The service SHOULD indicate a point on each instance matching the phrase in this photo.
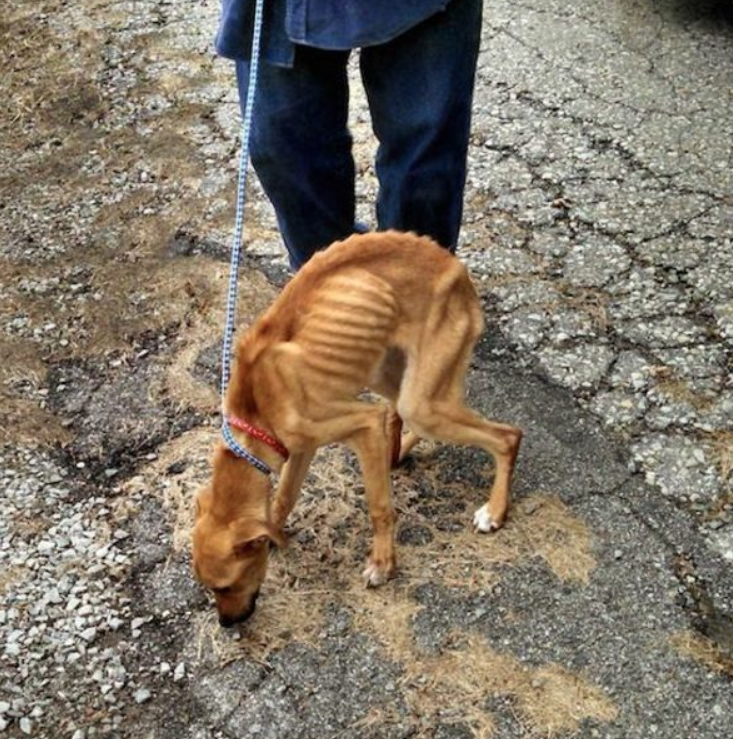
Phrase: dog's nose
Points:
(227, 621)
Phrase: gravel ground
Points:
(598, 228)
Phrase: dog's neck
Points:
(240, 489)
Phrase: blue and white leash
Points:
(236, 255)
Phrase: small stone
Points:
(26, 725)
(142, 695)
(179, 673)
(88, 635)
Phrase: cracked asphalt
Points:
(599, 230)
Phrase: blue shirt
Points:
(324, 24)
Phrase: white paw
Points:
(483, 522)
(375, 576)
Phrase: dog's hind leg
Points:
(401, 444)
(387, 382)
(432, 403)
(456, 424)
(291, 481)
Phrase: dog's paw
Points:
(483, 521)
(375, 575)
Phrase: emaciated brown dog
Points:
(389, 311)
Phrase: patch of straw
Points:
(176, 491)
(703, 650)
(9, 577)
(540, 526)
(549, 700)
(722, 443)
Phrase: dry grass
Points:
(203, 330)
(285, 613)
(592, 302)
(454, 687)
(703, 650)
(9, 576)
(722, 445)
(387, 614)
(549, 700)
(539, 527)
(678, 389)
(176, 491)
(23, 420)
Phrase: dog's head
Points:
(230, 558)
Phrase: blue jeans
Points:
(419, 87)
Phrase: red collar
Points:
(259, 434)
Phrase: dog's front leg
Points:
(291, 481)
(372, 445)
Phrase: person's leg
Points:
(301, 148)
(420, 88)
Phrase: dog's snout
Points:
(226, 620)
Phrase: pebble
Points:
(142, 695)
(88, 635)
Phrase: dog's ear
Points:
(253, 535)
(202, 500)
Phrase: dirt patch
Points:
(90, 398)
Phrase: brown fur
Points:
(389, 311)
